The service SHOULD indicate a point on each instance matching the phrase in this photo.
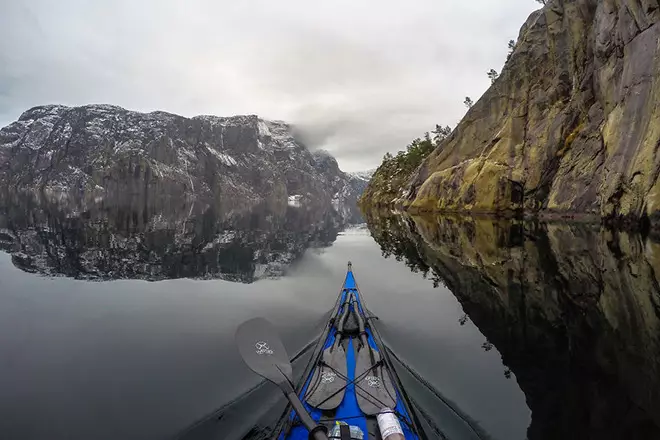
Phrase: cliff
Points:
(572, 125)
(102, 152)
(574, 311)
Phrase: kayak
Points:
(351, 379)
(349, 384)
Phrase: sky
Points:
(357, 78)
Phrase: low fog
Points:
(358, 79)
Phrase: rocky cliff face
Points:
(573, 309)
(570, 126)
(101, 152)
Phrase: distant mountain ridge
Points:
(105, 152)
(360, 180)
(364, 175)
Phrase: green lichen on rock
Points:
(572, 125)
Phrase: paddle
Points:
(328, 384)
(263, 351)
(375, 390)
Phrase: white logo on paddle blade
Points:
(328, 377)
(263, 348)
(373, 381)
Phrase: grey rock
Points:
(570, 127)
(102, 152)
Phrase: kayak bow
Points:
(350, 377)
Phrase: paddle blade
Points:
(263, 350)
(375, 390)
(328, 385)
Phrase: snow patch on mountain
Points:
(263, 129)
(364, 175)
(295, 200)
(224, 158)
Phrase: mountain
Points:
(102, 152)
(360, 181)
(571, 126)
(364, 175)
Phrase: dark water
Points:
(501, 329)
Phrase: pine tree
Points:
(492, 74)
(440, 133)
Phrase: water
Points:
(510, 330)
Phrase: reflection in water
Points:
(189, 240)
(573, 309)
(253, 415)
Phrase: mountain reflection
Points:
(573, 309)
(185, 240)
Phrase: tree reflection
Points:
(573, 309)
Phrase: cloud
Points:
(356, 78)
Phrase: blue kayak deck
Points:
(348, 411)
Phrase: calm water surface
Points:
(501, 330)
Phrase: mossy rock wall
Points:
(572, 125)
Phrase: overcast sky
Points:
(359, 78)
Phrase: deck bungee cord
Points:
(349, 390)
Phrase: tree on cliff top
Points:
(440, 133)
(406, 161)
(394, 170)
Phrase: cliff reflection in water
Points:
(185, 240)
(573, 309)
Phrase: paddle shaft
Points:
(342, 320)
(363, 332)
(361, 325)
(316, 432)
